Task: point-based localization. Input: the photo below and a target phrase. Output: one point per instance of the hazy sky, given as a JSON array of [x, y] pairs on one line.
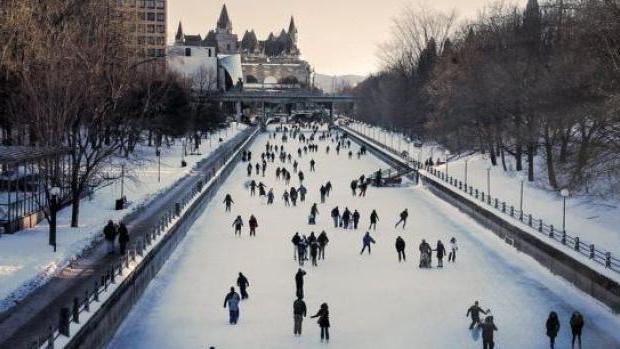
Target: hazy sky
[[335, 36]]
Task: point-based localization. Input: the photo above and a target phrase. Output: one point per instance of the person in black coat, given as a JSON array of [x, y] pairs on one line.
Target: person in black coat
[[335, 216], [323, 315], [228, 201], [299, 312], [295, 240], [475, 311], [441, 252], [253, 222], [400, 249], [553, 327], [123, 237], [403, 218], [488, 328], [243, 284], [354, 187], [346, 217], [576, 326], [374, 218], [109, 233], [322, 240], [356, 219], [299, 283]]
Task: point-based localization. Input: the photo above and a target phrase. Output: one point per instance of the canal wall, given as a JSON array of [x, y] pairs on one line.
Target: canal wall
[[103, 324], [589, 280]]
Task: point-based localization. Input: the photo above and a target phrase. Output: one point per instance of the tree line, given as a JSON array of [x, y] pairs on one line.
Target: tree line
[[73, 78], [536, 88]]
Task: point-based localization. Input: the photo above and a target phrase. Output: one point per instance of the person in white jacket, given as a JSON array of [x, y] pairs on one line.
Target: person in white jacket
[[453, 248]]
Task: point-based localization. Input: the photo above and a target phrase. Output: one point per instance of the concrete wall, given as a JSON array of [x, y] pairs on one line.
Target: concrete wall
[[262, 71], [558, 262], [100, 329]]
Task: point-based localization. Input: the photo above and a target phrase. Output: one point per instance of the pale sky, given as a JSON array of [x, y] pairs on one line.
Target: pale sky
[[336, 36]]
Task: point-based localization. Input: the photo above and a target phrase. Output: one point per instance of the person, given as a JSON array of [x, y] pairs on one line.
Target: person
[[109, 233], [243, 284], [403, 218], [301, 177], [356, 219], [453, 248], [232, 301], [261, 189], [474, 311], [270, 197], [328, 188], [576, 326], [285, 197], [346, 216], [314, 210], [299, 313], [249, 170], [278, 171], [252, 188], [335, 216], [322, 240], [228, 201], [123, 237], [441, 252], [299, 283], [238, 223], [295, 240], [253, 222], [314, 250], [363, 188], [366, 241], [312, 163], [374, 218], [488, 328], [302, 193], [322, 191], [553, 327], [323, 315], [301, 251], [400, 249], [293, 196], [354, 187]]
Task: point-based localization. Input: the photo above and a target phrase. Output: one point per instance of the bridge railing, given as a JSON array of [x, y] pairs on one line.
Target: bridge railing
[[547, 230]]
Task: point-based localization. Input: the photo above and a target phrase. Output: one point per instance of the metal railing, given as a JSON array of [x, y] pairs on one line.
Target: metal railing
[[504, 209]]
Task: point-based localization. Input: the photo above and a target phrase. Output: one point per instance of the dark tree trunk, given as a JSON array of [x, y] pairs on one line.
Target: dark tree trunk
[[553, 182], [519, 156], [530, 162]]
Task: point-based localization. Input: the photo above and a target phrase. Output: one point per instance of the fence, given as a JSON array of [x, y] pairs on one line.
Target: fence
[[588, 249], [85, 305]]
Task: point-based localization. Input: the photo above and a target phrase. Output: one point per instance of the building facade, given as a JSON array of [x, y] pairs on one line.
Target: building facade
[[149, 21]]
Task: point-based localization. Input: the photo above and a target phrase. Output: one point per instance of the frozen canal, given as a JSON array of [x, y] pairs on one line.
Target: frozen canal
[[374, 301]]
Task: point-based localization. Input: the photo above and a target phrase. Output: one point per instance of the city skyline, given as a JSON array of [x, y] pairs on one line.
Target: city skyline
[[332, 37]]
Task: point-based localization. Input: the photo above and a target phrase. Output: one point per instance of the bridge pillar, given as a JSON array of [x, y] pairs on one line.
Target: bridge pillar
[[331, 114], [238, 111]]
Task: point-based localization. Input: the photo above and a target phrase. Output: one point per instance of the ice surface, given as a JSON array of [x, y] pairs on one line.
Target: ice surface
[[375, 302]]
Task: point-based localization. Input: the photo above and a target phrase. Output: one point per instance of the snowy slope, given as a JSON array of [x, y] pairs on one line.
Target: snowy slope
[[374, 301]]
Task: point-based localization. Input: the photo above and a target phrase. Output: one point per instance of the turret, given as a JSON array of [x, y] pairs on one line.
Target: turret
[[223, 23], [179, 39]]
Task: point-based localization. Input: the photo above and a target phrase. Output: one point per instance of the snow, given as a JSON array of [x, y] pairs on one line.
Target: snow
[[26, 259], [592, 219], [374, 301]]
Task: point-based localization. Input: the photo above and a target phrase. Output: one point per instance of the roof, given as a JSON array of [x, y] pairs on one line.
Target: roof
[[179, 36], [13, 154], [292, 29], [193, 40], [224, 21]]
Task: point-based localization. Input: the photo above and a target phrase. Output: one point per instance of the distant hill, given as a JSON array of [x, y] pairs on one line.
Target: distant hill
[[329, 83]]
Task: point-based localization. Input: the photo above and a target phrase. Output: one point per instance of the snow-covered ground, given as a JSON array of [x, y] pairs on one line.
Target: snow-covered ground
[[593, 219], [374, 301], [26, 259]]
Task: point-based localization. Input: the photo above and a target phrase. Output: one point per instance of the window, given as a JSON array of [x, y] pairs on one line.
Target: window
[[188, 52], [150, 28], [160, 40], [150, 16], [161, 17], [142, 16], [161, 4], [150, 3], [141, 40], [141, 3], [151, 40], [161, 28]]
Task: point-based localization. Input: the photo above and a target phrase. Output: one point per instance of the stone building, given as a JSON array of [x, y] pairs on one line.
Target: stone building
[[271, 63]]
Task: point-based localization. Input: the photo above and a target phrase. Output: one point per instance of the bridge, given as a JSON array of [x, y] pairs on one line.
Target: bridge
[[283, 97]]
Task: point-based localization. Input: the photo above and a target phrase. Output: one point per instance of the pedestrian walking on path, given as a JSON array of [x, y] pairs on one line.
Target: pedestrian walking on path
[[243, 284], [323, 315], [299, 313], [109, 233], [403, 218], [228, 201], [488, 329], [123, 237], [553, 327], [237, 224], [299, 283], [232, 302], [400, 249], [576, 326], [453, 248], [366, 241]]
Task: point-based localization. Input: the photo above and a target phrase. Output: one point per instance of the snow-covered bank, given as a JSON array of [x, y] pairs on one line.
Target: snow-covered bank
[[26, 260]]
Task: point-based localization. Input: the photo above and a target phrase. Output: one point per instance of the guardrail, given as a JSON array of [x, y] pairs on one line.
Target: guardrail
[[84, 306], [588, 249]]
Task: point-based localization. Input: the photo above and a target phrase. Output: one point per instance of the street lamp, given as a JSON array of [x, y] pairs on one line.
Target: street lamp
[[565, 193], [466, 173], [54, 192], [447, 154], [489, 183]]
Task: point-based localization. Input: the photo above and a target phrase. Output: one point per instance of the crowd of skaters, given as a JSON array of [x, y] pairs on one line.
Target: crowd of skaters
[[312, 247]]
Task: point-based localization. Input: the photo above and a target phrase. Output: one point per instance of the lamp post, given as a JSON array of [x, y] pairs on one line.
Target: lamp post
[[54, 192], [447, 154], [466, 173], [521, 198], [565, 193], [489, 183], [158, 153]]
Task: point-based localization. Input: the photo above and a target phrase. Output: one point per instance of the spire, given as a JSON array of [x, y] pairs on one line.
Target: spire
[[179, 38], [224, 22], [292, 29]]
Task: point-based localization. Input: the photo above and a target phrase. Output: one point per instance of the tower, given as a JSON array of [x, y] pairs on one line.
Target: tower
[[224, 25], [292, 31], [179, 39], [226, 40]]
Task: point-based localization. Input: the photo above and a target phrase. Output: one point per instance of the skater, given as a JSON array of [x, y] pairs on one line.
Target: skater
[[285, 196], [488, 327], [400, 249], [299, 283], [354, 187], [314, 251], [312, 163], [109, 233], [301, 251], [253, 225], [302, 193], [553, 327], [441, 252], [243, 284], [301, 177], [228, 201], [261, 189], [295, 240], [293, 196], [374, 218], [322, 240], [249, 170], [453, 248], [278, 171], [123, 237], [270, 197], [346, 217], [314, 211], [356, 219], [322, 191], [576, 326], [328, 188], [475, 311], [232, 301], [299, 313], [252, 188], [366, 241], [363, 188], [403, 218], [323, 315], [238, 223], [336, 216]]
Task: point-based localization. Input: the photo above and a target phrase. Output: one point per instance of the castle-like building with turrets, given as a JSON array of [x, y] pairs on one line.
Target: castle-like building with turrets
[[274, 61]]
